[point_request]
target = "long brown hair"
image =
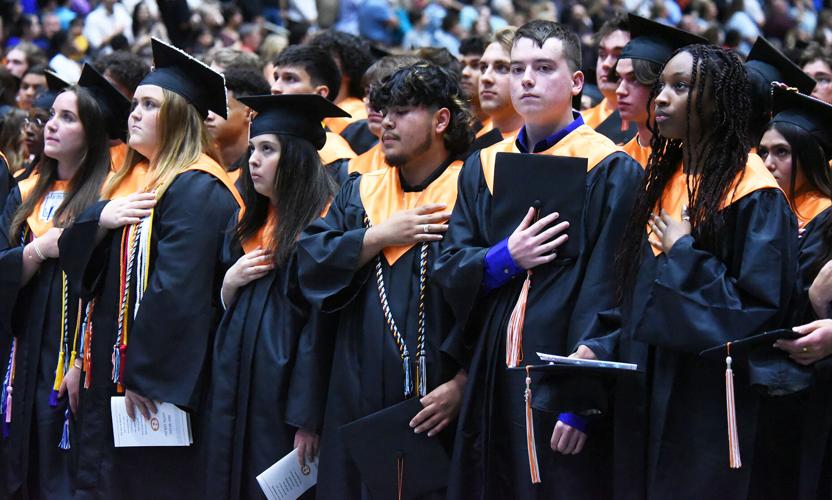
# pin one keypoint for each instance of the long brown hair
(302, 188)
(85, 185)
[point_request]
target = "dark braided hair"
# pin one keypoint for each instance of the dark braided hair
(717, 157)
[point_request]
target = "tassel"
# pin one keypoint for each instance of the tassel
(530, 441)
(399, 476)
(514, 337)
(59, 372)
(64, 444)
(116, 364)
(408, 377)
(422, 375)
(122, 363)
(53, 398)
(734, 459)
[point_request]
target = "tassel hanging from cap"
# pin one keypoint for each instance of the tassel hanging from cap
(734, 459)
(514, 332)
(530, 441)
(64, 444)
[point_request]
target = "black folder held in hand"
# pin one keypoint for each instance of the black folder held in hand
(391, 458)
(553, 183)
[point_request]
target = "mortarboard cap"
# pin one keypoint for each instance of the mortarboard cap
(175, 70)
(114, 105)
(810, 114)
(655, 42)
(54, 85)
(768, 368)
(550, 183)
(772, 65)
(299, 115)
(391, 458)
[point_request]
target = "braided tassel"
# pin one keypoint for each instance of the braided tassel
(64, 444)
(408, 376)
(534, 469)
(734, 459)
(422, 375)
(8, 420)
(514, 333)
(7, 390)
(59, 378)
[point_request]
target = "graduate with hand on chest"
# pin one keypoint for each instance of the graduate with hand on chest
(38, 309)
(149, 257)
(371, 259)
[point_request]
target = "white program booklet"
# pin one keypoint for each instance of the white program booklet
(563, 360)
(287, 480)
(170, 426)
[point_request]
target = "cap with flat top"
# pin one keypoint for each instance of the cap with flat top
(114, 105)
(812, 115)
(393, 461)
(175, 70)
(54, 85)
(299, 115)
(771, 65)
(655, 42)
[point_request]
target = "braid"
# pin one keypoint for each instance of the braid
(718, 156)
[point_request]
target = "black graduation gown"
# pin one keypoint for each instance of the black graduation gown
(33, 465)
(689, 300)
(7, 182)
(170, 340)
(490, 454)
(359, 136)
(267, 379)
(366, 367)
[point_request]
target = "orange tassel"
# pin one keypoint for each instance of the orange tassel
(734, 459)
(530, 442)
(514, 332)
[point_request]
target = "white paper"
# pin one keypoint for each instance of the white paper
(170, 426)
(286, 480)
(563, 360)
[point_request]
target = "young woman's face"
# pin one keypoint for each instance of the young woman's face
(672, 101)
(776, 152)
(143, 123)
(64, 138)
(262, 164)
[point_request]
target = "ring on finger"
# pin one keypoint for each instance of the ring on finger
(805, 349)
(426, 228)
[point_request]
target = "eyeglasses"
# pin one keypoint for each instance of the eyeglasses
(37, 122)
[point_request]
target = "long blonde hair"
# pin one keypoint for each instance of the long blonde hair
(182, 139)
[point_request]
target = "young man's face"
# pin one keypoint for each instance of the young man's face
(229, 131)
(295, 80)
(495, 80)
(409, 131)
(822, 74)
(542, 84)
(31, 85)
(471, 75)
(609, 48)
(632, 94)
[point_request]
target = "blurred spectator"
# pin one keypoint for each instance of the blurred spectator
(23, 55)
(300, 16)
(419, 34)
(250, 37)
(449, 34)
(76, 33)
(108, 21)
(741, 21)
(27, 29)
(32, 84)
(51, 24)
(12, 137)
(176, 16)
(377, 22)
(348, 16)
(146, 26)
(9, 84)
(817, 63)
(226, 56)
(233, 16)
(64, 54)
(123, 69)
(780, 22)
(271, 47)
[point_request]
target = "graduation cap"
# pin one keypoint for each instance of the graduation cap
(299, 115)
(810, 114)
(54, 85)
(393, 461)
(549, 183)
(114, 105)
(771, 65)
(656, 42)
(175, 70)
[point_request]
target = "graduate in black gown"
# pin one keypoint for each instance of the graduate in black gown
(39, 314)
(376, 245)
(149, 257)
(268, 385)
(482, 274)
(719, 266)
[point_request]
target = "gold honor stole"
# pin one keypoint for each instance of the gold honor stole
(755, 177)
(583, 142)
(335, 148)
(639, 153)
(352, 105)
(808, 205)
(40, 220)
(596, 115)
(382, 195)
(372, 159)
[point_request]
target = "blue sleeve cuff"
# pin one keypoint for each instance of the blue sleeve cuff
(573, 420)
(499, 267)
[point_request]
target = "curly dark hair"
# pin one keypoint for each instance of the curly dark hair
(353, 54)
(426, 84)
(126, 68)
(244, 80)
(721, 155)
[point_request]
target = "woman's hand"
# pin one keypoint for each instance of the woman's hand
(47, 243)
(251, 266)
(814, 345)
(126, 211)
(667, 231)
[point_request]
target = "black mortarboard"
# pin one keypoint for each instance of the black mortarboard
(655, 42)
(54, 84)
(810, 114)
(773, 66)
(299, 115)
(114, 105)
(550, 183)
(768, 368)
(385, 449)
(175, 70)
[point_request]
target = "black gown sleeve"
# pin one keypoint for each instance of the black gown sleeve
(697, 301)
(82, 257)
(359, 137)
(813, 248)
(11, 265)
(170, 339)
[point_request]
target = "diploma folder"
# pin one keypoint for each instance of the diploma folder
(385, 448)
(553, 183)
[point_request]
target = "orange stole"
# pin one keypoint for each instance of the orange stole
(37, 225)
(382, 195)
(264, 236)
(596, 115)
(755, 177)
(807, 206)
(487, 126)
(117, 155)
(352, 105)
(639, 153)
(372, 159)
(336, 148)
(583, 142)
(234, 175)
